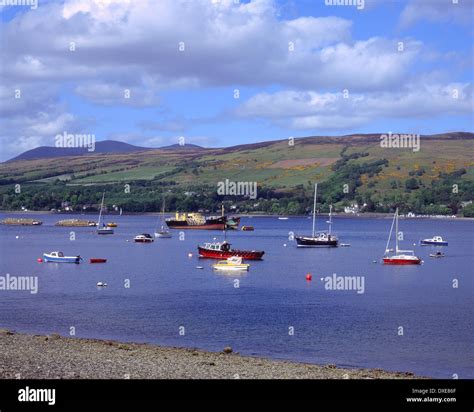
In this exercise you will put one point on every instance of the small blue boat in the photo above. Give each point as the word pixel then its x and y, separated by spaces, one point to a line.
pixel 59 257
pixel 435 240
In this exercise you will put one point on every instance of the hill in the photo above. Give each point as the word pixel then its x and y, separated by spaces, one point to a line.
pixel 102 147
pixel 351 169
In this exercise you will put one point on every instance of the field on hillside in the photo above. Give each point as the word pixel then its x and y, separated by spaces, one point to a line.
pixel 377 177
pixel 277 165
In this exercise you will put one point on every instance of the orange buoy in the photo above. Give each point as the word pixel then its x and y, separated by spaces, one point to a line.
pixel 309 277
pixel 39 260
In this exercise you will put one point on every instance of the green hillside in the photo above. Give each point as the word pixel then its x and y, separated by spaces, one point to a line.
pixel 351 169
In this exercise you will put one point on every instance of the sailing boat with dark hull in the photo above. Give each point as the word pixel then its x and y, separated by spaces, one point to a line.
pixel 321 239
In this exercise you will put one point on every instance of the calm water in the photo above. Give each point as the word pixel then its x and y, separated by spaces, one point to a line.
pixel 167 291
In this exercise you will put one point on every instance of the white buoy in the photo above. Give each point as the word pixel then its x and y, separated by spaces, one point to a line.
pixel 17 237
pixel 284 244
pixel 190 255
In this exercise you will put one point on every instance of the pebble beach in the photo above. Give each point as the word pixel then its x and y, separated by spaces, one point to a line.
pixel 25 356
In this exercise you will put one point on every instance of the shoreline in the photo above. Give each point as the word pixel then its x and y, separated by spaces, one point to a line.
pixel 29 356
pixel 245 215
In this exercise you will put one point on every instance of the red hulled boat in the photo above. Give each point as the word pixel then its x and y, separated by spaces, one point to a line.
pixel 223 250
pixel 402 260
pixel 400 257
pixel 97 260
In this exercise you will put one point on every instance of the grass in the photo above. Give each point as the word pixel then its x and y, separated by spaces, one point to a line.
pixel 254 163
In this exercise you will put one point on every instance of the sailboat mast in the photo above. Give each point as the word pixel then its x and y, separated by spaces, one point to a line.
pixel 314 208
pixel 101 207
pixel 330 218
pixel 225 223
pixel 396 231
pixel 389 235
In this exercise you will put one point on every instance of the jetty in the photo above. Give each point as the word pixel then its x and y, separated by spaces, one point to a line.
pixel 76 223
pixel 21 221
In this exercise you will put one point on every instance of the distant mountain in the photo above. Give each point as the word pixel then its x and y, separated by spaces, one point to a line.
pixel 104 146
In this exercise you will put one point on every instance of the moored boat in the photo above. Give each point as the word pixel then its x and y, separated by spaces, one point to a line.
pixel 318 240
pixel 197 221
pixel 104 230
pixel 163 233
pixel 223 250
pixel 248 228
pixel 400 257
pixel 112 224
pixel 232 223
pixel 437 255
pixel 435 241
pixel 234 263
pixel 58 257
pixel 143 238
pixel 97 260
pixel 321 239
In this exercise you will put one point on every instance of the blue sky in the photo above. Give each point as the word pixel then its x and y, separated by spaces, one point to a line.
pixel 289 60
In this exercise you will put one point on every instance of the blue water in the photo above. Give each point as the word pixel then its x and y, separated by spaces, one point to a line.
pixel 330 326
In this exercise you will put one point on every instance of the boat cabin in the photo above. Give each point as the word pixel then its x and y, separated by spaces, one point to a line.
pixel 222 247
pixel 56 254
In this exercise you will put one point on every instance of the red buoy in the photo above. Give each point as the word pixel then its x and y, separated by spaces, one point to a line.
pixel 39 260
pixel 309 277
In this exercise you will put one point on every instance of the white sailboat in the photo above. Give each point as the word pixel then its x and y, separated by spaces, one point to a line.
pixel 400 257
pixel 164 232
pixel 104 229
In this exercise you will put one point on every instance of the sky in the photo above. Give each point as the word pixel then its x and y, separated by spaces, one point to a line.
pixel 225 72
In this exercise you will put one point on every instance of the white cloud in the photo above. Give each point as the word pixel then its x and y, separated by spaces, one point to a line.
pixel 313 110
pixel 447 11
pixel 136 44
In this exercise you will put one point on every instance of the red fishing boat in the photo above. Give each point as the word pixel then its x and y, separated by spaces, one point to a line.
pixel 223 250
pixel 401 257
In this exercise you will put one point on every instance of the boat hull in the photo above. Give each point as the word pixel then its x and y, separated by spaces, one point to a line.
pixel 97 260
pixel 105 231
pixel 401 261
pixel 64 259
pixel 206 226
pixel 143 240
pixel 219 223
pixel 302 241
pixel 228 268
pixel 432 243
pixel 219 254
pixel 248 228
